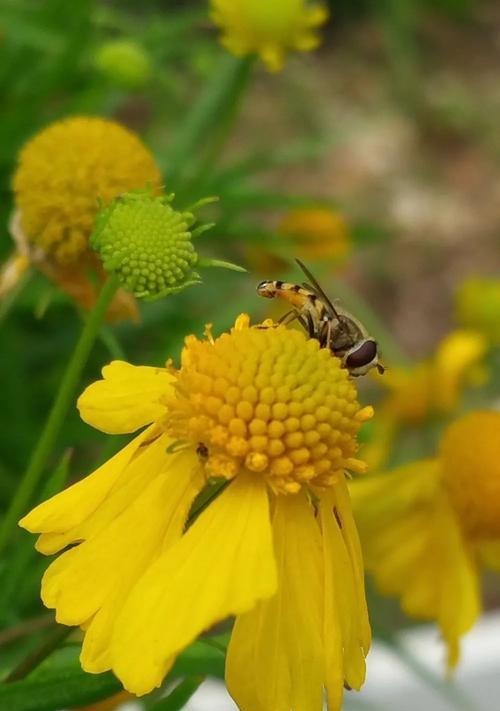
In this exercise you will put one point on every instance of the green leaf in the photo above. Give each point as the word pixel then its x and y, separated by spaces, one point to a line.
pixel 179 696
pixel 61 683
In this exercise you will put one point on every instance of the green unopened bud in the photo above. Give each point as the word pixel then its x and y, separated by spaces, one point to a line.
pixel 124 62
pixel 142 239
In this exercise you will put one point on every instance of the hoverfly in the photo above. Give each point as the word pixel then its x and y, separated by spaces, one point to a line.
pixel 331 325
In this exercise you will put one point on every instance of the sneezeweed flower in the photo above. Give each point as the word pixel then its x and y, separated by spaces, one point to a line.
pixel 62 173
pixel 124 62
pixel 274 418
pixel 268 29
pixel 430 388
pixel 428 528
pixel 478 307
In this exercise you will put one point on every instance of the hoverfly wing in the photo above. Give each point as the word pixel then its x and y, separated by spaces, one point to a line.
pixel 316 288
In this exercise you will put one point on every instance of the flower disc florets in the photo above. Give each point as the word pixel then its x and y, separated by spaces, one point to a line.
pixel 62 172
pixel 147 244
pixel 268 400
pixel 470 456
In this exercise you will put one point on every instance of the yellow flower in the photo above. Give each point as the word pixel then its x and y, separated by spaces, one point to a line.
pixel 274 418
pixel 312 233
pixel 316 233
pixel 427 528
pixel 478 307
pixel 268 29
pixel 429 388
pixel 61 174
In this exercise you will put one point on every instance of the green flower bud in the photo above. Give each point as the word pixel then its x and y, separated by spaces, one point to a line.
pixel 124 62
pixel 146 242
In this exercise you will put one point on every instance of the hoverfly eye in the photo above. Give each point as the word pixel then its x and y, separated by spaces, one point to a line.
pixel 363 355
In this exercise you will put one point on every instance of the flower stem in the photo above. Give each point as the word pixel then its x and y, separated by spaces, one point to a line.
pixel 52 641
pixel 58 412
pixel 219 99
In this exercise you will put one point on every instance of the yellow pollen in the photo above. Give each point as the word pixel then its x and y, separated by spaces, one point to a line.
pixel 470 457
pixel 268 400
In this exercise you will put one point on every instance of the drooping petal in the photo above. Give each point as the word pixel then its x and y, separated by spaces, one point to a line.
pixel 275 657
pixel 414 547
pixel 150 459
pixel 460 602
pixel 128 397
pixel 223 565
pixel 164 505
pixel 455 358
pixel 77 582
pixel 73 505
pixel 347 633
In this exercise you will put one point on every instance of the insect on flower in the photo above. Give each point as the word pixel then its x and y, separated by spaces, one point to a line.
pixel 334 327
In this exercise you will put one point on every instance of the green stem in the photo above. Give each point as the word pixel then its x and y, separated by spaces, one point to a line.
pixel 179 697
pixel 35 658
pixel 58 412
pixel 112 343
pixel 220 99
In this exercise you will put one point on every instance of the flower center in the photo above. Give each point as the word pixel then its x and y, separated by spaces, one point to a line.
pixel 470 453
pixel 271 401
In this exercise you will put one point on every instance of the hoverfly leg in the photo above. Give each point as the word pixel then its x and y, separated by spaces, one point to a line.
pixel 329 332
pixel 289 317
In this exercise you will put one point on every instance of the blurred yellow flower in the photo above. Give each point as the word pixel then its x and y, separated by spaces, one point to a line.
pixel 429 388
pixel 311 233
pixel 428 528
pixel 316 233
pixel 61 174
pixel 268 29
pixel 271 417
pixel 478 307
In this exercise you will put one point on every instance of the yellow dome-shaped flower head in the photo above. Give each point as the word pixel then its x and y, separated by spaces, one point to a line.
pixel 268 422
pixel 428 528
pixel 64 173
pixel 268 29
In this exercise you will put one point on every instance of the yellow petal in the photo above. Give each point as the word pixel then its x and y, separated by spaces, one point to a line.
pixel 127 398
pixel 152 524
pixel 374 498
pixel 223 565
pixel 458 352
pixel 346 625
pixel 275 657
pixel 460 602
pixel 413 545
pixel 150 458
pixel 91 574
pixel 73 505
